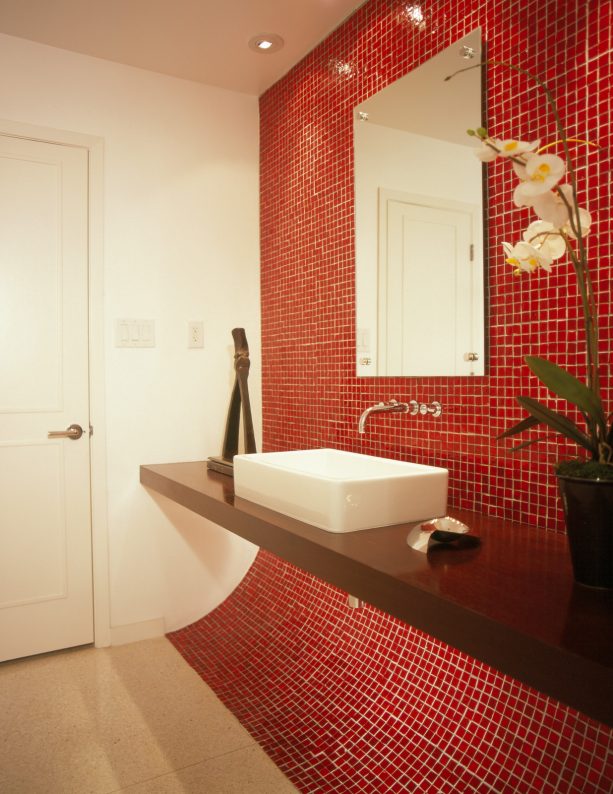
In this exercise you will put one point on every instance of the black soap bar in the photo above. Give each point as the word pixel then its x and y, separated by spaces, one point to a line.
pixel 455 540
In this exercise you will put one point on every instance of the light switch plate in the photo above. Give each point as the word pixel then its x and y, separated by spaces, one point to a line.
pixel 134 333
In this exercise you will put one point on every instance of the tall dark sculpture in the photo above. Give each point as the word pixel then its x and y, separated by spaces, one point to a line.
pixel 238 400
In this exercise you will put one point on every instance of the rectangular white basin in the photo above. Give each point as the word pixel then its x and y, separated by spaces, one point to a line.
pixel 341 491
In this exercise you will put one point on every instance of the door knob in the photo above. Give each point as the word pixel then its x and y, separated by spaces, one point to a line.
pixel 73 432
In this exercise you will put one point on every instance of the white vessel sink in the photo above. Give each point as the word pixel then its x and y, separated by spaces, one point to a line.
pixel 341 491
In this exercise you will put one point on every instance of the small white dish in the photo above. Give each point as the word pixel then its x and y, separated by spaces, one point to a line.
pixel 420 536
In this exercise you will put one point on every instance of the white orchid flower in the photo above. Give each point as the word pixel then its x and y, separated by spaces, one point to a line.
pixel 550 206
pixel 512 148
pixel 546 239
pixel 486 153
pixel 584 221
pixel 542 173
pixel 554 208
pixel 493 148
pixel 525 258
pixel 557 209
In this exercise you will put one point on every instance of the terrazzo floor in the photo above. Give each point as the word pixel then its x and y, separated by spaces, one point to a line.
pixel 132 718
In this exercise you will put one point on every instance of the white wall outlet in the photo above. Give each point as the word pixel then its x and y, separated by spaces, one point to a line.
pixel 195 334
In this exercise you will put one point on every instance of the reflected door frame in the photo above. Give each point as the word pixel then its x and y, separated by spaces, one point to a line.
pixel 464 219
pixel 100 541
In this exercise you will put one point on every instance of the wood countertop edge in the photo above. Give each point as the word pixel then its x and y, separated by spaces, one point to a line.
pixel 576 680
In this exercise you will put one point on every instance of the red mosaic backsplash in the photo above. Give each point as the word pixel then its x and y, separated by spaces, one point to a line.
pixel 353 701
pixel 311 395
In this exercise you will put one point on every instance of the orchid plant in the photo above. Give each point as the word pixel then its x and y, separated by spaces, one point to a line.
pixel 559 230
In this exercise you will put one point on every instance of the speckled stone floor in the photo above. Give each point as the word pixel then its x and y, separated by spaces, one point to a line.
pixel 132 718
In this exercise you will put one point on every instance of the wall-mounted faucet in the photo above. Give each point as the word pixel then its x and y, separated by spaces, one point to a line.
pixel 393 406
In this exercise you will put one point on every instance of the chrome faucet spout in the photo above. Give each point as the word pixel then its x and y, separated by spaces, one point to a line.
pixel 392 406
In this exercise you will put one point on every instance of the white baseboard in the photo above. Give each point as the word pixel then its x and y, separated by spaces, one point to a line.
pixel 134 632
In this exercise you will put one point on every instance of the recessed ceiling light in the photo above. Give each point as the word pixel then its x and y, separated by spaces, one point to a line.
pixel 266 43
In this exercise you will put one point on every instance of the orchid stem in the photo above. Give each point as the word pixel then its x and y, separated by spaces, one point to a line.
pixel 579 261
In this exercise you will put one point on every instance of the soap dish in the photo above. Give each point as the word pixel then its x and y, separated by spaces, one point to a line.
pixel 441 531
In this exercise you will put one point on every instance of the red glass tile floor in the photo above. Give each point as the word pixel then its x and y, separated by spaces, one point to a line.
pixel 355 701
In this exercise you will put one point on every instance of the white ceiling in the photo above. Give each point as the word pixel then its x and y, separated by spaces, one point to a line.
pixel 202 40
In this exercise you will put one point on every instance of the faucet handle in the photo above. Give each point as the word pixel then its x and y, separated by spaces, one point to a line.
pixel 435 409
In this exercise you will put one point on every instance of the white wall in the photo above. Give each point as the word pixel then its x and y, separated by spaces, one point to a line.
pixel 180 244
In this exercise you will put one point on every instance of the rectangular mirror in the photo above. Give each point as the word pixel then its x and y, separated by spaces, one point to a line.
pixel 419 222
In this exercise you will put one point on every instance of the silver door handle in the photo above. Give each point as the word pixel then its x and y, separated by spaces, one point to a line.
pixel 73 432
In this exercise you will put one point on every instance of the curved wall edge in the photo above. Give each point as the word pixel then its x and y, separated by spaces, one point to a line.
pixel 353 700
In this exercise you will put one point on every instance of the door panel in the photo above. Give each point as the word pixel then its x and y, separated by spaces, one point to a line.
pixel 31 286
pixel 45 525
pixel 424 287
pixel 28 577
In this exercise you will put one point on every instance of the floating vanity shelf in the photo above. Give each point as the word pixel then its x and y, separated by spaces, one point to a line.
pixel 511 603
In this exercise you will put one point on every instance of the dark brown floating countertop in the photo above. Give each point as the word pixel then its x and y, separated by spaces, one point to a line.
pixel 511 603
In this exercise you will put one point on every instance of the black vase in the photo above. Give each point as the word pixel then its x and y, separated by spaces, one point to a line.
pixel 588 510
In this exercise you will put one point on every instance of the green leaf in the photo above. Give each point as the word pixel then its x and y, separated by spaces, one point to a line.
pixel 565 385
pixel 609 431
pixel 558 422
pixel 525 424
pixel 528 443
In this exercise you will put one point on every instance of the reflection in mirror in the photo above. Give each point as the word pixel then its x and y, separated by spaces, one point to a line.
pixel 419 222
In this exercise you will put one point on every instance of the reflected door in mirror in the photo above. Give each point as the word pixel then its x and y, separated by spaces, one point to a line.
pixel 419 223
pixel 424 275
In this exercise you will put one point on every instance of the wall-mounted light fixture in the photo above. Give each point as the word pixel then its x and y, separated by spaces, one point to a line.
pixel 342 69
pixel 266 43
pixel 414 14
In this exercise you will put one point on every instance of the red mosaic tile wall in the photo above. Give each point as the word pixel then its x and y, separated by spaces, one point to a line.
pixel 311 396
pixel 352 701
pixel 355 701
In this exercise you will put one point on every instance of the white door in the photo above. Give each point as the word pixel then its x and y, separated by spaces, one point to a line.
pixel 45 523
pixel 425 287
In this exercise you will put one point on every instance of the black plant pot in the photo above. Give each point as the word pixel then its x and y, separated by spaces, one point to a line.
pixel 588 510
